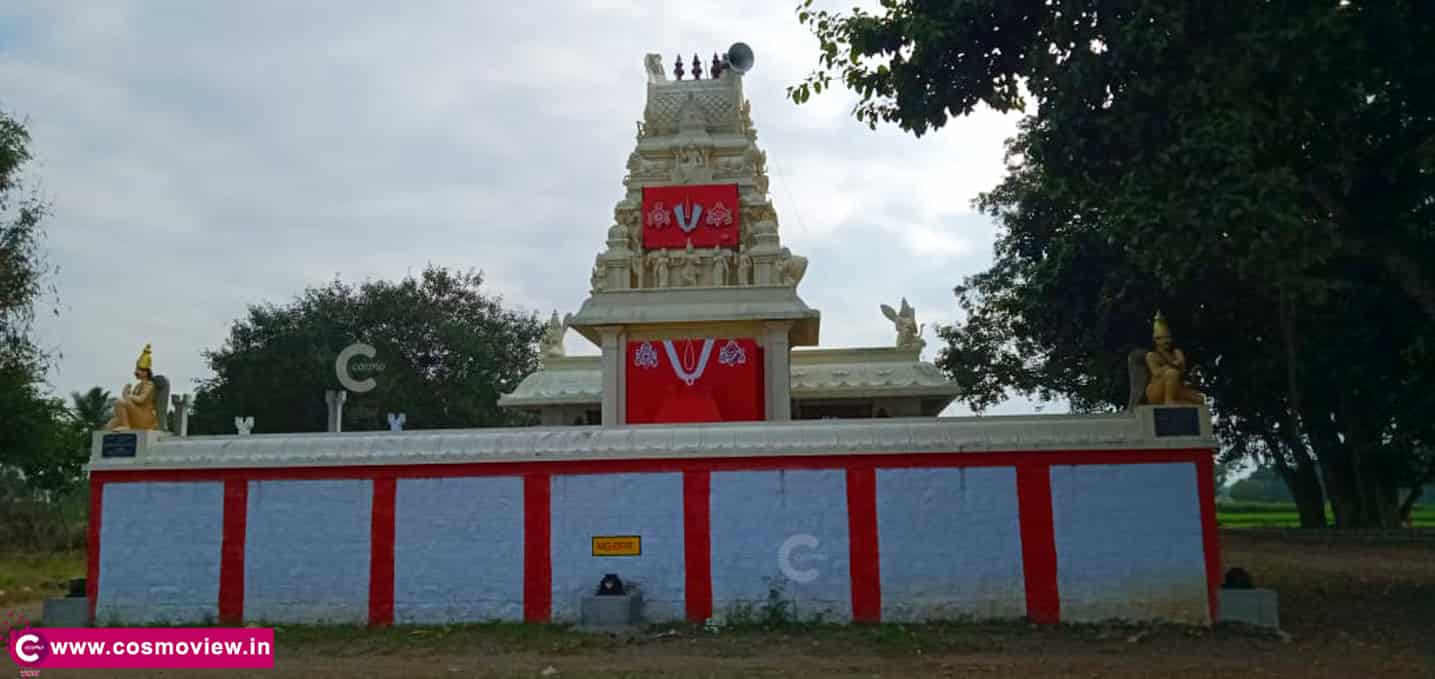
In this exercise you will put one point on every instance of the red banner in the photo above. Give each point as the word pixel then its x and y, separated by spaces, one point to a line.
pixel 694 380
pixel 706 214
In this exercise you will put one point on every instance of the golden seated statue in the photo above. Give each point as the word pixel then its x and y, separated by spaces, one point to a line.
pixel 1165 368
pixel 140 404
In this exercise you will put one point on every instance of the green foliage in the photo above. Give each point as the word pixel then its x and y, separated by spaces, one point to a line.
pixel 34 575
pixel 93 408
pixel 447 353
pixel 777 610
pixel 1265 174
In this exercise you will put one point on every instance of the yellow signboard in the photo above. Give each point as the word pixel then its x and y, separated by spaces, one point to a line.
pixel 617 545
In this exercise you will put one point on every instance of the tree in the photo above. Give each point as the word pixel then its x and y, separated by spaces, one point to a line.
pixel 1264 173
pixel 93 408
pixel 444 353
pixel 41 449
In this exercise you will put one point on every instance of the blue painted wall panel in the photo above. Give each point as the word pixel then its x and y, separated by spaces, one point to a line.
pixel 458 550
pixel 950 544
pixel 1128 542
pixel 647 505
pixel 306 553
pixel 159 553
pixel 783 527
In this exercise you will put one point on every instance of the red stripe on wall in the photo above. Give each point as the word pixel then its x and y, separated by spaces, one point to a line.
pixel 864 561
pixel 537 549
pixel 92 537
pixel 697 544
pixel 1038 543
pixel 381 553
pixel 1206 490
pixel 715 464
pixel 231 552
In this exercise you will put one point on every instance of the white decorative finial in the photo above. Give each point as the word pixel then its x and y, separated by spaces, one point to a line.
pixel 244 424
pixel 181 403
pixel 396 421
pixel 335 400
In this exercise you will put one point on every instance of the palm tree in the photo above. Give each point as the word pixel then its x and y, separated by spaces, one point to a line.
pixel 93 408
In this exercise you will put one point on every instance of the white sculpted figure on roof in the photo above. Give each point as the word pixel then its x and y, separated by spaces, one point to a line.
pixel 909 334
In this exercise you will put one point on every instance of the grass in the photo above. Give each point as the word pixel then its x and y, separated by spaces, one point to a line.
pixel 1235 514
pixel 29 576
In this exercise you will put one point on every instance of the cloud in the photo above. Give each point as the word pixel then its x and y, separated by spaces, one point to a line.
pixel 203 157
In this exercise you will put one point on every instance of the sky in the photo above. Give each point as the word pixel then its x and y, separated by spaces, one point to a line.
pixel 203 157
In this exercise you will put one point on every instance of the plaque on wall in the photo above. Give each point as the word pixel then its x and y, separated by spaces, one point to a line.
pixel 617 545
pixel 1177 421
pixel 119 445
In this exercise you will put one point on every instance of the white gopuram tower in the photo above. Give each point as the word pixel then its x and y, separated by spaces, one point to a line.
pixel 694 278
pixel 696 132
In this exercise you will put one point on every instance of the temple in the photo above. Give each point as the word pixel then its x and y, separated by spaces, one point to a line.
pixel 694 303
pixel 682 465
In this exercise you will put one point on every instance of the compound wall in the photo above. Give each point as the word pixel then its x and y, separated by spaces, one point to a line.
pixel 1047 536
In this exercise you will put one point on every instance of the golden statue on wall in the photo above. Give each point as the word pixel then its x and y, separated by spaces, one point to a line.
pixel 1165 367
pixel 141 405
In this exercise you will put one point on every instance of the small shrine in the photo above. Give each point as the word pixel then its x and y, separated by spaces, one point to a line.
pixel 694 303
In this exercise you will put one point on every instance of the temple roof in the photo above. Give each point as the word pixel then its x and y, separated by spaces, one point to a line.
pixel 816 374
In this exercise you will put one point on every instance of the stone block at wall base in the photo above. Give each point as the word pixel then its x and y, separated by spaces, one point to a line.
pixel 611 611
pixel 1257 607
pixel 66 612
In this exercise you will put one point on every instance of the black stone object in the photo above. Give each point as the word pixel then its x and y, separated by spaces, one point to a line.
pixel 1238 578
pixel 77 588
pixel 1177 421
pixel 119 445
pixel 611 585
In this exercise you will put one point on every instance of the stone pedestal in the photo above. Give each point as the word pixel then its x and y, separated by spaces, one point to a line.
pixel 611 611
pixel 123 444
pixel 66 612
pixel 1257 607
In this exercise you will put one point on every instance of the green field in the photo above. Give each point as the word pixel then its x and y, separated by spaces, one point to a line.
pixel 1232 514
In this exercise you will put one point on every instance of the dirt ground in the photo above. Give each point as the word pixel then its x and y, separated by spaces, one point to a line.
pixel 1349 610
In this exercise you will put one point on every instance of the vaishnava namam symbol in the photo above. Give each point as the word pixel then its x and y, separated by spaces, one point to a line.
pixel 689 216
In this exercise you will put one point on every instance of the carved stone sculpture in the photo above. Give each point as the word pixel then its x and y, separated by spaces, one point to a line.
pixel 744 266
pixel 640 271
pixel 660 268
pixel 595 280
pixel 792 268
pixel 720 266
pixel 909 334
pixel 397 420
pixel 243 425
pixel 691 165
pixel 140 404
pixel 551 345
pixel 654 65
pixel 690 267
pixel 1166 368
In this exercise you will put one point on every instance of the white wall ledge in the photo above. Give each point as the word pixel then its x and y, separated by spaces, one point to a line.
pixel 1010 433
